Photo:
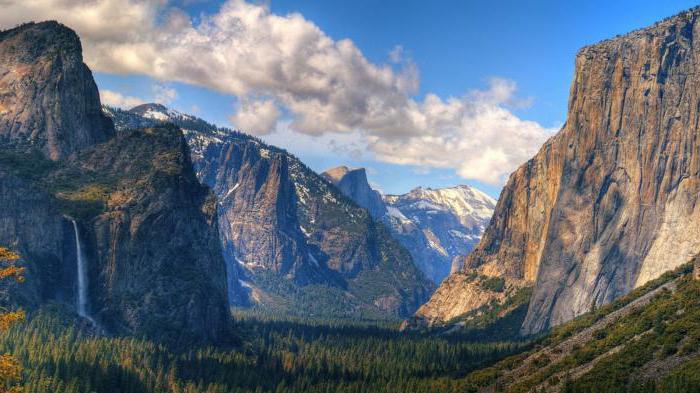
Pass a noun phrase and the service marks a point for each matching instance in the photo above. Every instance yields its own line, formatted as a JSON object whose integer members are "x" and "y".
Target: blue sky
{"x": 456, "y": 46}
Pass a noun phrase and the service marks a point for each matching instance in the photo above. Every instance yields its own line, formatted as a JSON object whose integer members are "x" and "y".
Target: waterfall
{"x": 82, "y": 276}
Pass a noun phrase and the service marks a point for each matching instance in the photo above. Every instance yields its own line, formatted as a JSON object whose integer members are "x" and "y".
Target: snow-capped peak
{"x": 462, "y": 200}
{"x": 159, "y": 112}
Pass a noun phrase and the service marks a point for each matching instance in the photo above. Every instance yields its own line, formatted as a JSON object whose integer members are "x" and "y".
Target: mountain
{"x": 353, "y": 184}
{"x": 117, "y": 226}
{"x": 439, "y": 226}
{"x": 436, "y": 226}
{"x": 293, "y": 243}
{"x": 608, "y": 203}
{"x": 48, "y": 99}
{"x": 644, "y": 341}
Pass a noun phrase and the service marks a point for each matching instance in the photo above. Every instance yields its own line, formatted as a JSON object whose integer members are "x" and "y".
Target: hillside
{"x": 644, "y": 341}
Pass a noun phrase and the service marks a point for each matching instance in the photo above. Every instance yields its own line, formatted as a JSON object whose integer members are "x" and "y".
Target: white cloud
{"x": 163, "y": 94}
{"x": 256, "y": 116}
{"x": 396, "y": 54}
{"x": 326, "y": 85}
{"x": 113, "y": 98}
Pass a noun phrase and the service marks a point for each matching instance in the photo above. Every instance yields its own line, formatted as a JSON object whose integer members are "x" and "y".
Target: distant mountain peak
{"x": 435, "y": 225}
{"x": 337, "y": 173}
{"x": 159, "y": 112}
{"x": 354, "y": 184}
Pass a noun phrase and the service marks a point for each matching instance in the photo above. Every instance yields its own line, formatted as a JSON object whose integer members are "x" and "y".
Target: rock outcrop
{"x": 48, "y": 99}
{"x": 611, "y": 201}
{"x": 157, "y": 264}
{"x": 352, "y": 182}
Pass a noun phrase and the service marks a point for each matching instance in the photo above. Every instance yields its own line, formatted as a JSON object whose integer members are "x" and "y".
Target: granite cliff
{"x": 352, "y": 182}
{"x": 611, "y": 201}
{"x": 129, "y": 207}
{"x": 48, "y": 99}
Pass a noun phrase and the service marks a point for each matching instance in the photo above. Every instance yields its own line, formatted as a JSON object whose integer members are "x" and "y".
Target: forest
{"x": 267, "y": 355}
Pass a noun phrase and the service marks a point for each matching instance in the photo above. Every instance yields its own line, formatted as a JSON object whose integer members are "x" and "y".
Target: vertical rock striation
{"x": 48, "y": 99}
{"x": 611, "y": 201}
{"x": 352, "y": 182}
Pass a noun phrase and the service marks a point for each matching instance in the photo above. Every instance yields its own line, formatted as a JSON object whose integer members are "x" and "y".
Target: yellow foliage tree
{"x": 10, "y": 369}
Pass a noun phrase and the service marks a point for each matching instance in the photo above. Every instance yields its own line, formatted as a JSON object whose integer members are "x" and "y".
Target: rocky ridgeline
{"x": 147, "y": 228}
{"x": 293, "y": 243}
{"x": 611, "y": 201}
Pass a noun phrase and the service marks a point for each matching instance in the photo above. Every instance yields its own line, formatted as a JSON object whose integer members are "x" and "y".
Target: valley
{"x": 146, "y": 250}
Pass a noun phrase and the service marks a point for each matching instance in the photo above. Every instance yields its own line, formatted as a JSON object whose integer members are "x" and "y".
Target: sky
{"x": 430, "y": 94}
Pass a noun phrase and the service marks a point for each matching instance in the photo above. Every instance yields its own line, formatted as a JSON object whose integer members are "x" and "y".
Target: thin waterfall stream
{"x": 82, "y": 301}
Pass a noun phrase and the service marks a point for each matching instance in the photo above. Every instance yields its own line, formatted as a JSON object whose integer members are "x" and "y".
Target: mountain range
{"x": 293, "y": 243}
{"x": 438, "y": 226}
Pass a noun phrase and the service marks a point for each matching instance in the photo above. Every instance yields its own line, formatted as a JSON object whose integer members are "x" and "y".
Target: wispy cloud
{"x": 325, "y": 85}
{"x": 164, "y": 94}
{"x": 113, "y": 98}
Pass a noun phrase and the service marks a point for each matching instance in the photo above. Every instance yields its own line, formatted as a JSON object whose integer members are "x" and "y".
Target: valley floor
{"x": 647, "y": 341}
{"x": 269, "y": 356}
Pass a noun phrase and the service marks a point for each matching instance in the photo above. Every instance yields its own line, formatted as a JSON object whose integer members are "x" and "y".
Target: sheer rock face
{"x": 353, "y": 183}
{"x": 611, "y": 201}
{"x": 31, "y": 225}
{"x": 157, "y": 265}
{"x": 48, "y": 98}
{"x": 258, "y": 208}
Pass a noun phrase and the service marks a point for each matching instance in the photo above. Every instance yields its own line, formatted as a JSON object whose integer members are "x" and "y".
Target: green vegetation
{"x": 29, "y": 165}
{"x": 668, "y": 328}
{"x": 320, "y": 301}
{"x": 82, "y": 187}
{"x": 493, "y": 284}
{"x": 275, "y": 356}
{"x": 622, "y": 356}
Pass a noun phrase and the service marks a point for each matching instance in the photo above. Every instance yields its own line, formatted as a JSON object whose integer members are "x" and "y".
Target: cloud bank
{"x": 276, "y": 63}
